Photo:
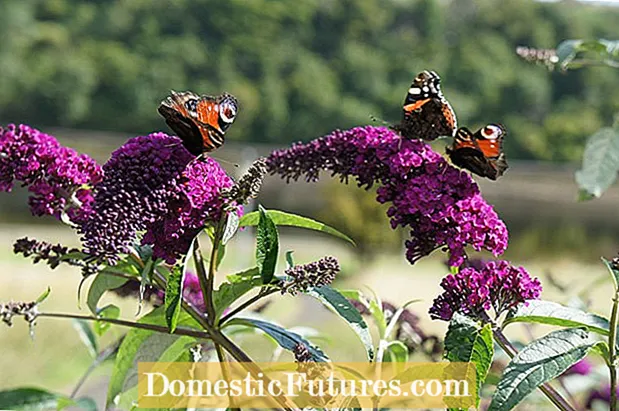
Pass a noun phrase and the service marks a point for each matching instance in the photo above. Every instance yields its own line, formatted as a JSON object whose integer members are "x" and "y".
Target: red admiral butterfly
{"x": 426, "y": 112}
{"x": 480, "y": 153}
{"x": 200, "y": 121}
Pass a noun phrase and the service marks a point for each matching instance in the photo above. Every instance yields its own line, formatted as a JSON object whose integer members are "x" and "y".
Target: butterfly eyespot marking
{"x": 491, "y": 132}
{"x": 191, "y": 104}
{"x": 227, "y": 111}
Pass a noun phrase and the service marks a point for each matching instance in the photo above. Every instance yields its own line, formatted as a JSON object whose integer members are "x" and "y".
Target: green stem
{"x": 201, "y": 270}
{"x": 131, "y": 324}
{"x": 222, "y": 340}
{"x": 552, "y": 394}
{"x": 612, "y": 342}
{"x": 212, "y": 268}
{"x": 247, "y": 303}
{"x": 225, "y": 371}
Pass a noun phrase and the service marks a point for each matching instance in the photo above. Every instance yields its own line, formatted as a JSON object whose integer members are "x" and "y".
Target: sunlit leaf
{"x": 282, "y": 218}
{"x": 267, "y": 246}
{"x": 234, "y": 288}
{"x": 467, "y": 341}
{"x": 600, "y": 162}
{"x": 539, "y": 362}
{"x": 339, "y": 304}
{"x": 99, "y": 286}
{"x": 286, "y": 339}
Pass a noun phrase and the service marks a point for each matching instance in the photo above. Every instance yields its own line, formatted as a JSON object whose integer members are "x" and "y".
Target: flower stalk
{"x": 612, "y": 349}
{"x": 552, "y": 394}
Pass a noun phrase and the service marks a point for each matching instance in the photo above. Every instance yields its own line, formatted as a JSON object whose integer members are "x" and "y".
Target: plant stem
{"x": 552, "y": 394}
{"x": 223, "y": 362}
{"x": 220, "y": 339}
{"x": 131, "y": 324}
{"x": 200, "y": 268}
{"x": 247, "y": 303}
{"x": 612, "y": 343}
{"x": 212, "y": 269}
{"x": 102, "y": 356}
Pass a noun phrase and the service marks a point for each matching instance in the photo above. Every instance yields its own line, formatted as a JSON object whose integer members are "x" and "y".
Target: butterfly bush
{"x": 58, "y": 177}
{"x": 440, "y": 204}
{"x": 498, "y": 286}
{"x": 153, "y": 185}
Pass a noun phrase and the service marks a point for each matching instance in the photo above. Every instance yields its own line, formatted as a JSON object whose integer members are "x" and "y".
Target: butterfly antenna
{"x": 378, "y": 120}
{"x": 225, "y": 161}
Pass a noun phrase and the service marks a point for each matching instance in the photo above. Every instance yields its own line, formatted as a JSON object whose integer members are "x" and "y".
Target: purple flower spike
{"x": 498, "y": 285}
{"x": 198, "y": 202}
{"x": 440, "y": 204}
{"x": 57, "y": 176}
{"x": 151, "y": 184}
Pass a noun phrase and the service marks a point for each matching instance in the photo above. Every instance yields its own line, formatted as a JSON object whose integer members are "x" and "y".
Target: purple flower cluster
{"x": 302, "y": 278}
{"x": 151, "y": 184}
{"x": 498, "y": 285}
{"x": 57, "y": 176}
{"x": 198, "y": 200}
{"x": 440, "y": 204}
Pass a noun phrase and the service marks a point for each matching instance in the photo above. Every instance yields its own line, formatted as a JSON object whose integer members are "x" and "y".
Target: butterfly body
{"x": 480, "y": 152}
{"x": 426, "y": 114}
{"x": 200, "y": 121}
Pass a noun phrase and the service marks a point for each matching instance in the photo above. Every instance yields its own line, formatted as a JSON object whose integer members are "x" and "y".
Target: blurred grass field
{"x": 55, "y": 358}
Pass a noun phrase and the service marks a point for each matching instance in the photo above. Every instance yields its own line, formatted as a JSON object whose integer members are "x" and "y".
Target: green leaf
{"x": 43, "y": 296}
{"x": 613, "y": 271}
{"x": 539, "y": 362}
{"x": 567, "y": 50}
{"x": 600, "y": 162}
{"x": 282, "y": 218}
{"x": 87, "y": 336}
{"x": 267, "y": 246}
{"x": 396, "y": 351}
{"x": 99, "y": 286}
{"x": 110, "y": 311}
{"x": 548, "y": 312}
{"x": 286, "y": 339}
{"x": 174, "y": 297}
{"x": 467, "y": 341}
{"x": 145, "y": 346}
{"x": 234, "y": 288}
{"x": 289, "y": 259}
{"x": 339, "y": 304}
{"x": 232, "y": 225}
{"x": 32, "y": 399}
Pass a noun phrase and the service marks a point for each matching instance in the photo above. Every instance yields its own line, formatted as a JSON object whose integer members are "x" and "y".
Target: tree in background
{"x": 301, "y": 69}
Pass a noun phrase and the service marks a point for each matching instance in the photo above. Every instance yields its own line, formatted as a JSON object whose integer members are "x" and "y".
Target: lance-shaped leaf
{"x": 600, "y": 163}
{"x": 467, "y": 341}
{"x": 286, "y": 339}
{"x": 612, "y": 269}
{"x": 29, "y": 399}
{"x": 267, "y": 246}
{"x": 99, "y": 286}
{"x": 339, "y": 304}
{"x": 539, "y": 362}
{"x": 146, "y": 346}
{"x": 282, "y": 218}
{"x": 234, "y": 288}
{"x": 551, "y": 313}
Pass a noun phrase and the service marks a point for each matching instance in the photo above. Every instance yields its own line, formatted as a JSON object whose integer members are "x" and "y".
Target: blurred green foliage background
{"x": 303, "y": 68}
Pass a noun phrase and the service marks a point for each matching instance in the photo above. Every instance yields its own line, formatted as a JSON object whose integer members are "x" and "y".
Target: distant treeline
{"x": 301, "y": 68}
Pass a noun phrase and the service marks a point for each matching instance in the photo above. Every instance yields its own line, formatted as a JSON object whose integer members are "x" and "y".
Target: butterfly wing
{"x": 200, "y": 121}
{"x": 175, "y": 111}
{"x": 426, "y": 113}
{"x": 482, "y": 152}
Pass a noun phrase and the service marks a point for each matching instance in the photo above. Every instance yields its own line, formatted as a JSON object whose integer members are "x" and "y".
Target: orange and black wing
{"x": 426, "y": 114}
{"x": 200, "y": 121}
{"x": 482, "y": 152}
